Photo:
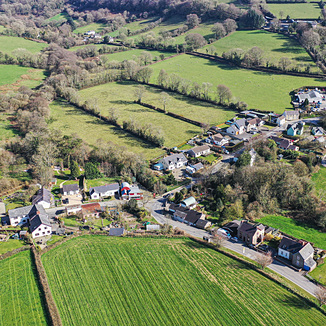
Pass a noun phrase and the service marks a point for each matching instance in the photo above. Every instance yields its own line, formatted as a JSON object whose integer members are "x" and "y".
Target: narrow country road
{"x": 156, "y": 207}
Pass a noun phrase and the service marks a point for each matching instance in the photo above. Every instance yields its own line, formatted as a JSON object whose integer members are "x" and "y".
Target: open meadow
{"x": 97, "y": 27}
{"x": 12, "y": 77}
{"x": 148, "y": 281}
{"x": 259, "y": 90}
{"x": 135, "y": 53}
{"x": 275, "y": 46}
{"x": 120, "y": 95}
{"x": 10, "y": 43}
{"x": 295, "y": 10}
{"x": 20, "y": 301}
{"x": 70, "y": 120}
{"x": 122, "y": 98}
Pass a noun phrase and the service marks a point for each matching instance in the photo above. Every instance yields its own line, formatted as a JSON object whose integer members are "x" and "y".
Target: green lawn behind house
{"x": 295, "y": 10}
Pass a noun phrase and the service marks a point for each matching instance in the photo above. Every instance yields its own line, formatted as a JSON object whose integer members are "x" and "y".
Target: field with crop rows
{"x": 275, "y": 46}
{"x": 126, "y": 281}
{"x": 121, "y": 98}
{"x": 112, "y": 93}
{"x": 10, "y": 43}
{"x": 295, "y": 10}
{"x": 20, "y": 302}
{"x": 70, "y": 120}
{"x": 259, "y": 90}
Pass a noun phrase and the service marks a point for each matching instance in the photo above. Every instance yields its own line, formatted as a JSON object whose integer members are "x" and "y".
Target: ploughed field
{"x": 97, "y": 280}
{"x": 20, "y": 301}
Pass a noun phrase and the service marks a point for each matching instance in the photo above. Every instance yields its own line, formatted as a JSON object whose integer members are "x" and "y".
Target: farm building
{"x": 104, "y": 191}
{"x": 44, "y": 198}
{"x": 312, "y": 96}
{"x": 199, "y": 151}
{"x": 116, "y": 232}
{"x": 72, "y": 189}
{"x": 174, "y": 161}
{"x": 190, "y": 202}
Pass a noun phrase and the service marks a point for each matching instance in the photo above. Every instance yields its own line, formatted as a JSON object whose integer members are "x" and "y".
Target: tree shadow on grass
{"x": 296, "y": 302}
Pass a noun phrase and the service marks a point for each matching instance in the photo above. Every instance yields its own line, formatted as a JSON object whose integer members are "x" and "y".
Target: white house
{"x": 218, "y": 140}
{"x": 109, "y": 190}
{"x": 72, "y": 189}
{"x": 39, "y": 225}
{"x": 21, "y": 215}
{"x": 199, "y": 151}
{"x": 174, "y": 161}
{"x": 44, "y": 198}
{"x": 280, "y": 120}
{"x": 238, "y": 127}
{"x": 312, "y": 96}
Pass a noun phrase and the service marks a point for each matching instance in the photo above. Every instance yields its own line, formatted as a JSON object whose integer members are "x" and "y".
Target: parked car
{"x": 251, "y": 246}
{"x": 235, "y": 239}
{"x": 224, "y": 233}
{"x": 263, "y": 247}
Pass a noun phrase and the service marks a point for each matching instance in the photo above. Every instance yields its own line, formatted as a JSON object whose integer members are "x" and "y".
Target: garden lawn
{"x": 101, "y": 182}
{"x": 19, "y": 293}
{"x": 134, "y": 54}
{"x": 70, "y": 120}
{"x": 295, "y": 10}
{"x": 275, "y": 46}
{"x": 97, "y": 27}
{"x": 112, "y": 95}
{"x": 296, "y": 229}
{"x": 121, "y": 95}
{"x": 10, "y": 245}
{"x": 259, "y": 90}
{"x": 10, "y": 43}
{"x": 151, "y": 281}
{"x": 319, "y": 274}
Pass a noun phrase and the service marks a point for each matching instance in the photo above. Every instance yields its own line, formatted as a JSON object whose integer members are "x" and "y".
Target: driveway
{"x": 156, "y": 207}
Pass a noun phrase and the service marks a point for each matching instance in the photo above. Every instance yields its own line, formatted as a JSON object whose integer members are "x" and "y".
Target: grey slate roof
{"x": 103, "y": 189}
{"x": 174, "y": 158}
{"x": 72, "y": 187}
{"x": 37, "y": 220}
{"x": 199, "y": 149}
{"x": 290, "y": 245}
{"x": 202, "y": 223}
{"x": 306, "y": 251}
{"x": 43, "y": 194}
{"x": 30, "y": 210}
{"x": 117, "y": 232}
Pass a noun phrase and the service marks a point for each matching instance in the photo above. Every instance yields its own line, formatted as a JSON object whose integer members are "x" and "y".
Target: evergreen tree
{"x": 91, "y": 171}
{"x": 74, "y": 170}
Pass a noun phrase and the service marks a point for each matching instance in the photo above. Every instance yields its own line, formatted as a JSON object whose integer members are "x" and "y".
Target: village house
{"x": 284, "y": 144}
{"x": 251, "y": 234}
{"x": 318, "y": 131}
{"x": 44, "y": 198}
{"x": 291, "y": 115}
{"x": 91, "y": 210}
{"x": 174, "y": 161}
{"x": 191, "y": 169}
{"x": 39, "y": 225}
{"x": 187, "y": 216}
{"x": 21, "y": 215}
{"x": 295, "y": 129}
{"x": 199, "y": 151}
{"x": 73, "y": 209}
{"x": 72, "y": 189}
{"x": 312, "y": 96}
{"x": 217, "y": 139}
{"x": 203, "y": 224}
{"x": 238, "y": 127}
{"x": 130, "y": 191}
{"x": 280, "y": 120}
{"x": 232, "y": 227}
{"x": 299, "y": 252}
{"x": 109, "y": 190}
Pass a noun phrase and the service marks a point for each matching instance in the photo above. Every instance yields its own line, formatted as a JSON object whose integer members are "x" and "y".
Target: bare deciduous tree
{"x": 320, "y": 294}
{"x": 264, "y": 259}
{"x": 165, "y": 99}
{"x": 139, "y": 93}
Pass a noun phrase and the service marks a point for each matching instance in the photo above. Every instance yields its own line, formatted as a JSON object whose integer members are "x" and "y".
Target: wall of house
{"x": 297, "y": 260}
{"x": 42, "y": 231}
{"x": 283, "y": 253}
{"x": 19, "y": 220}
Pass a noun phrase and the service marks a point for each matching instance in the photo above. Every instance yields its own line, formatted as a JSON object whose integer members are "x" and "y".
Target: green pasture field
{"x": 97, "y": 27}
{"x": 151, "y": 281}
{"x": 204, "y": 29}
{"x": 121, "y": 94}
{"x": 6, "y": 131}
{"x": 258, "y": 89}
{"x": 295, "y": 10}
{"x": 296, "y": 229}
{"x": 12, "y": 75}
{"x": 10, "y": 245}
{"x": 169, "y": 25}
{"x": 98, "y": 46}
{"x": 135, "y": 53}
{"x": 101, "y": 182}
{"x": 58, "y": 17}
{"x": 19, "y": 293}
{"x": 275, "y": 46}
{"x": 140, "y": 24}
{"x": 319, "y": 273}
{"x": 10, "y": 43}
{"x": 319, "y": 180}
{"x": 111, "y": 95}
{"x": 70, "y": 120}
{"x": 2, "y": 28}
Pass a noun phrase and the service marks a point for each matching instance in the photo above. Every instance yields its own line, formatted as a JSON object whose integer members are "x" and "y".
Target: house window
{"x": 39, "y": 229}
{"x": 49, "y": 231}
{"x": 45, "y": 227}
{"x": 43, "y": 232}
{"x": 37, "y": 234}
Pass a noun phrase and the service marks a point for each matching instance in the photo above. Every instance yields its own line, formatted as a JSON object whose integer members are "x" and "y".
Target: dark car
{"x": 263, "y": 247}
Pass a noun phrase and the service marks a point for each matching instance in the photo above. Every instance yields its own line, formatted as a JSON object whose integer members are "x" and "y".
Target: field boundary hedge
{"x": 14, "y": 252}
{"x": 261, "y": 69}
{"x": 51, "y": 308}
